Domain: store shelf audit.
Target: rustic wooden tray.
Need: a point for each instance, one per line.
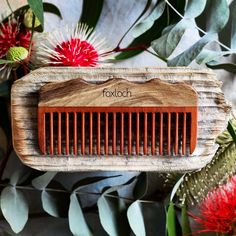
(212, 117)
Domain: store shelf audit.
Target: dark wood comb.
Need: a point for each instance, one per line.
(117, 117)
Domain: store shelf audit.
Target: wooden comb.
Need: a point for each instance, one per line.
(117, 117)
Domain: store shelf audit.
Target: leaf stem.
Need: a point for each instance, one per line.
(9, 5)
(199, 29)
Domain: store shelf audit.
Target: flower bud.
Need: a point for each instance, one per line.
(17, 54)
(28, 19)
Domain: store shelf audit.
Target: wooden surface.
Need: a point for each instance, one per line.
(213, 112)
(117, 93)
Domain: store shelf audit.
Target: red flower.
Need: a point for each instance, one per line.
(217, 212)
(71, 47)
(11, 34)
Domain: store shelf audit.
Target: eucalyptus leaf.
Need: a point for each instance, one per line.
(55, 203)
(42, 181)
(186, 57)
(185, 225)
(145, 25)
(147, 218)
(194, 8)
(207, 55)
(2, 61)
(136, 219)
(139, 44)
(37, 8)
(20, 174)
(175, 188)
(230, 67)
(233, 24)
(90, 180)
(166, 44)
(171, 220)
(91, 12)
(51, 8)
(15, 208)
(112, 214)
(141, 187)
(231, 130)
(112, 211)
(217, 15)
(77, 222)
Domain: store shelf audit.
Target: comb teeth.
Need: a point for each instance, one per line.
(116, 133)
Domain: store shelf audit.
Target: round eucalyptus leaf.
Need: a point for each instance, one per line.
(77, 222)
(55, 203)
(15, 208)
(42, 181)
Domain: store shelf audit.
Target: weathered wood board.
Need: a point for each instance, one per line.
(213, 112)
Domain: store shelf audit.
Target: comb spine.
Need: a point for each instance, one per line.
(177, 134)
(137, 133)
(67, 134)
(75, 134)
(98, 134)
(106, 133)
(145, 134)
(114, 134)
(161, 134)
(82, 132)
(193, 130)
(91, 133)
(153, 132)
(42, 130)
(51, 134)
(122, 133)
(184, 134)
(130, 134)
(168, 133)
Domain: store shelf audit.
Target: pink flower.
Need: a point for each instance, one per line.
(12, 34)
(71, 47)
(217, 212)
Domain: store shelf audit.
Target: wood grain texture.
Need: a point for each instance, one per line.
(117, 92)
(213, 112)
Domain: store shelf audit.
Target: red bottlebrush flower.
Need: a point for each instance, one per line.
(217, 212)
(80, 48)
(12, 35)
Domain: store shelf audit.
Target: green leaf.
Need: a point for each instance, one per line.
(194, 8)
(207, 55)
(144, 40)
(185, 225)
(141, 187)
(112, 211)
(37, 8)
(145, 25)
(166, 44)
(2, 61)
(77, 222)
(233, 24)
(112, 214)
(14, 208)
(175, 188)
(231, 130)
(51, 8)
(20, 174)
(55, 203)
(42, 181)
(91, 12)
(217, 14)
(147, 218)
(136, 219)
(186, 57)
(230, 67)
(171, 220)
(90, 180)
